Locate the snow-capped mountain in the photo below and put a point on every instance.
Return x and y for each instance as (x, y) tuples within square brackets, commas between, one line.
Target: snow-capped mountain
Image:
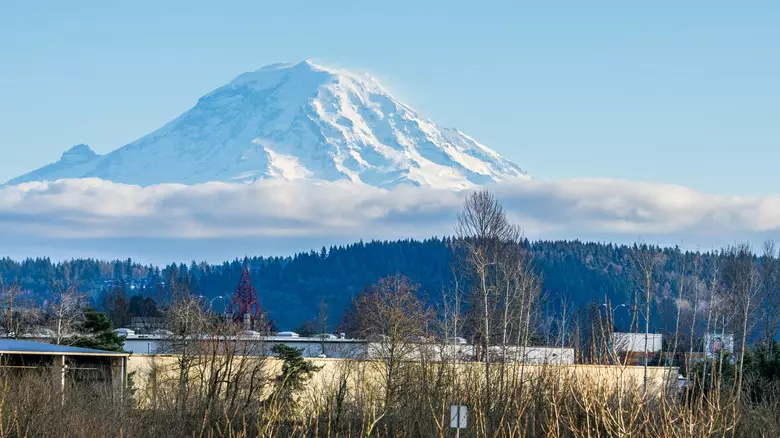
[(294, 121)]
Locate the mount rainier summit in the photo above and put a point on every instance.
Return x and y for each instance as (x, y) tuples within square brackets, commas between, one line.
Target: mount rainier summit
[(294, 121)]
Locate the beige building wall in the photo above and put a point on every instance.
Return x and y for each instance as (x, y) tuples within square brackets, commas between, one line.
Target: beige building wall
[(162, 369)]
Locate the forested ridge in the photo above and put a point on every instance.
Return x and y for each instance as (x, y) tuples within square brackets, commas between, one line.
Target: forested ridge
[(294, 289)]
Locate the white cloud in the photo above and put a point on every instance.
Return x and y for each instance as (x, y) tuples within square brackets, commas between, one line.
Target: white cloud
[(91, 208), (627, 207), (599, 209)]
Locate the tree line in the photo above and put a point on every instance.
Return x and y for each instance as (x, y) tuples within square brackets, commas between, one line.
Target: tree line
[(295, 290)]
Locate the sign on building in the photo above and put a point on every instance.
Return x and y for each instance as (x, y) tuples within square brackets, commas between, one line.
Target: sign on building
[(716, 344)]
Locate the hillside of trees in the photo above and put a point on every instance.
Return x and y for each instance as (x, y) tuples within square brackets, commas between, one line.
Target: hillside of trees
[(297, 289)]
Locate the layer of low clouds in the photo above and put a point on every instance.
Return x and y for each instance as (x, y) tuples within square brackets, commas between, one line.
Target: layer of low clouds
[(93, 217)]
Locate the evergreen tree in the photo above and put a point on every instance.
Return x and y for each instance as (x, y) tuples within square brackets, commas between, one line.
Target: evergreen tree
[(95, 332), (296, 371)]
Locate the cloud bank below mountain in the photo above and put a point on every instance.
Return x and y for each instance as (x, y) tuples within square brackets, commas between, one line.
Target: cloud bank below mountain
[(83, 212)]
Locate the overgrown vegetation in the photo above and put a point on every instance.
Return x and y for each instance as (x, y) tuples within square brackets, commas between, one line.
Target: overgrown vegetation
[(241, 402), (215, 383)]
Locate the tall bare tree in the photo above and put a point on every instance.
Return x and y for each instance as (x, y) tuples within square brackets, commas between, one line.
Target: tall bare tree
[(500, 281), (696, 288), (9, 294), (483, 230), (452, 308), (187, 318), (741, 284), (678, 302), (646, 259), (770, 291), (712, 300), (66, 308), (395, 321), (19, 312)]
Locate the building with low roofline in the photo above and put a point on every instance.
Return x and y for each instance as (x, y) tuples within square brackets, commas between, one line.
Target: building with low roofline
[(74, 364)]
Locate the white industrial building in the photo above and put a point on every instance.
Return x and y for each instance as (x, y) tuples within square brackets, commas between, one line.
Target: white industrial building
[(249, 343), (333, 346), (252, 343), (635, 342)]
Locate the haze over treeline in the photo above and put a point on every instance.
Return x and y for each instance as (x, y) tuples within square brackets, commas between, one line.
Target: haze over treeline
[(296, 289)]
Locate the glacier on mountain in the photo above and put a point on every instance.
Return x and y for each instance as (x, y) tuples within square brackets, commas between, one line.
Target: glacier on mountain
[(294, 121)]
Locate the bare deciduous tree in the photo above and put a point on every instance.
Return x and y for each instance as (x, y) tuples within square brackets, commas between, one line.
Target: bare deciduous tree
[(18, 310), (395, 321), (485, 233), (186, 318), (741, 284), (452, 303), (501, 284), (65, 309), (770, 285), (646, 259), (712, 298)]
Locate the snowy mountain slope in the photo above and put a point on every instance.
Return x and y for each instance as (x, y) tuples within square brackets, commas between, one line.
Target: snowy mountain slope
[(79, 159), (294, 121)]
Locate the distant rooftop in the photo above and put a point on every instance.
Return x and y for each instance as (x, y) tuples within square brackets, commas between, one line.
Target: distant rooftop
[(13, 346)]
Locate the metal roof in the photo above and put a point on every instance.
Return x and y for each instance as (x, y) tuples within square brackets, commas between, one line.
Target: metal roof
[(13, 346)]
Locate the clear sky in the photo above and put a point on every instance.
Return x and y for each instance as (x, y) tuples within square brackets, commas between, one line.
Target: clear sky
[(681, 92)]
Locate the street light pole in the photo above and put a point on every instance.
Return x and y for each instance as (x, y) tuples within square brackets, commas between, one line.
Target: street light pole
[(211, 302), (211, 305), (613, 310), (611, 334)]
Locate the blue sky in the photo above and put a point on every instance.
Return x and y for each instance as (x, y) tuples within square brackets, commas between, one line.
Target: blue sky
[(664, 91)]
